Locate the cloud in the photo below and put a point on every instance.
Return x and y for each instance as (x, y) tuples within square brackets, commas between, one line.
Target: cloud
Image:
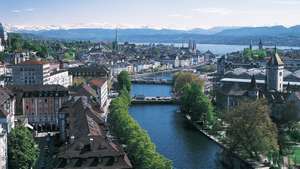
[(216, 11), (287, 2), (15, 11), (23, 10), (180, 16)]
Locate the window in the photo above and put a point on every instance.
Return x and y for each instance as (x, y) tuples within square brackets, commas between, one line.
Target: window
[(280, 73)]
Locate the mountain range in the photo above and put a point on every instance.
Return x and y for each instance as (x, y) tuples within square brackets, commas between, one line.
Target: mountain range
[(280, 35)]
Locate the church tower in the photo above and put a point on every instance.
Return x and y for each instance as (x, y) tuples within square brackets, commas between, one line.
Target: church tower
[(115, 44), (260, 45), (274, 73)]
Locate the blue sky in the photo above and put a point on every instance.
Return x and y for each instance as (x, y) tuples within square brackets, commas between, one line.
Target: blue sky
[(181, 14)]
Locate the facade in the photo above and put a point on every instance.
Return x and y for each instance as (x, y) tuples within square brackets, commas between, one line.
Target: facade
[(60, 77), (40, 104), (87, 143), (101, 88), (31, 72), (3, 148), (7, 109), (82, 74)]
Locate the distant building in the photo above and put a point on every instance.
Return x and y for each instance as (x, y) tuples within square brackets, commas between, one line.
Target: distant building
[(274, 73), (83, 74), (3, 148), (7, 109), (40, 104), (16, 58), (256, 83)]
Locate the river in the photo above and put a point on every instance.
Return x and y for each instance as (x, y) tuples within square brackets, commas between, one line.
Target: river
[(172, 135)]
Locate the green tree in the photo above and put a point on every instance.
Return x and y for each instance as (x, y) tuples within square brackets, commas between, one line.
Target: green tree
[(124, 81), (22, 149), (250, 129), (194, 103), (181, 79)]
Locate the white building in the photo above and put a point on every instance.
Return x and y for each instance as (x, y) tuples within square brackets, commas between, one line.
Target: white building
[(101, 88), (60, 77), (33, 72), (3, 148)]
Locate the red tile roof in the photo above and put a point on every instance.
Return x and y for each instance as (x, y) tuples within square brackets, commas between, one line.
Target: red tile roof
[(33, 62), (97, 82)]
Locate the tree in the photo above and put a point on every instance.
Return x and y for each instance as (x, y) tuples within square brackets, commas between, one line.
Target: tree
[(141, 150), (22, 149), (124, 81), (181, 79), (194, 103), (250, 129)]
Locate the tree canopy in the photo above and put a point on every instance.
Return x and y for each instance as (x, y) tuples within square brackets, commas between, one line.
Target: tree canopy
[(194, 103), (22, 149), (124, 81), (250, 130), (181, 79)]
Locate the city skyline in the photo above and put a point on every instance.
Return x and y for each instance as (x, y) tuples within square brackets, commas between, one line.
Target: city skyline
[(173, 14)]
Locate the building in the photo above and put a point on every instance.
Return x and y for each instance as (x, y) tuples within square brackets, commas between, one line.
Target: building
[(3, 37), (101, 88), (3, 148), (274, 73), (33, 72), (260, 45), (82, 74), (60, 77), (88, 145), (40, 104), (16, 58), (7, 109), (271, 83)]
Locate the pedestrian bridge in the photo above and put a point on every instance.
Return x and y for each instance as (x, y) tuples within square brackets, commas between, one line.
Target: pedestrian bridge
[(151, 81), (141, 99)]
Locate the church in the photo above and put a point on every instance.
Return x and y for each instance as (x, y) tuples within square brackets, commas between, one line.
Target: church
[(272, 82)]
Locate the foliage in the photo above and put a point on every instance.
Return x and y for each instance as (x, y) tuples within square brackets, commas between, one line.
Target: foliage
[(124, 81), (250, 129), (181, 79), (140, 148), (254, 54), (194, 103), (22, 150)]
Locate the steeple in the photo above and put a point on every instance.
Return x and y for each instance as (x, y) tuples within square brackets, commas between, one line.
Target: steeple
[(253, 83), (260, 45), (250, 46), (115, 45), (274, 73)]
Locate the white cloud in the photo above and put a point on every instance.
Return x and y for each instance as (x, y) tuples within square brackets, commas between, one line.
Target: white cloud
[(287, 2), (180, 16), (216, 11), (23, 10), (29, 9), (15, 11)]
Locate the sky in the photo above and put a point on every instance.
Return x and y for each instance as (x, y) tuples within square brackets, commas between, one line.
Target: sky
[(176, 14)]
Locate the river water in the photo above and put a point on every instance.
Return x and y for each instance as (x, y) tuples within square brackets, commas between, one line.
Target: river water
[(172, 135)]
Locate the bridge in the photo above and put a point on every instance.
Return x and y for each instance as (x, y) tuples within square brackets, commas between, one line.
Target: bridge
[(151, 81), (141, 99)]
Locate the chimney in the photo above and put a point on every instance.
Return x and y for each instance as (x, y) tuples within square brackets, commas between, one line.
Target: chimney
[(72, 139), (92, 144)]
